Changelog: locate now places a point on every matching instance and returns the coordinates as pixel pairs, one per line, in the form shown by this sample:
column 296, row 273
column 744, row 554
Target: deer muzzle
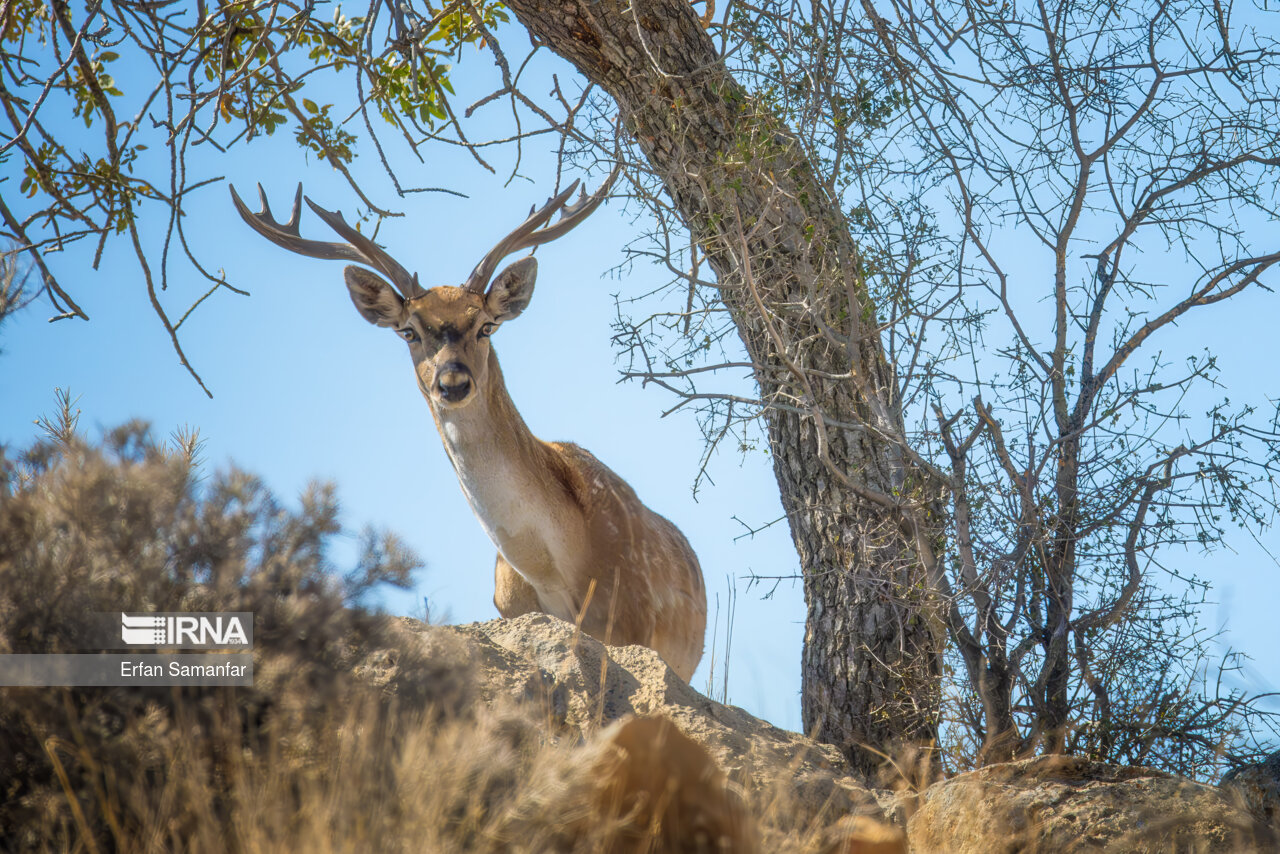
column 453, row 382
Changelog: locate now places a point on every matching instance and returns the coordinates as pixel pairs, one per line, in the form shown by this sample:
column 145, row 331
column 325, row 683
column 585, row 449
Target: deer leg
column 512, row 595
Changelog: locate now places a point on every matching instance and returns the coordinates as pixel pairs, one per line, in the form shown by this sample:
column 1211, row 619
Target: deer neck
column 508, row 479
column 487, row 441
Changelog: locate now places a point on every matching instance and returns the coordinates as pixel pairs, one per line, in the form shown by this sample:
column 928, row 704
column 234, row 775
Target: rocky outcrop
column 1258, row 786
column 799, row 795
column 800, row 791
column 1069, row 804
column 578, row 686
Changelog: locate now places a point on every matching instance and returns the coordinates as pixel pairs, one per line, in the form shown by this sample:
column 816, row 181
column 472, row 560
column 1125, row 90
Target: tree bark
column 863, row 516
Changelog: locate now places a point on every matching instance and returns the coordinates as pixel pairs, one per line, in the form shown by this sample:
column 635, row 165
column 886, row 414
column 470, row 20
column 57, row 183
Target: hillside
column 370, row 733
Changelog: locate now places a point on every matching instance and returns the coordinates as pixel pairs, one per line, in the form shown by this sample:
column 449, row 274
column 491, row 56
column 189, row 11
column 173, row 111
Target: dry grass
column 131, row 524
column 313, row 757
column 319, row 755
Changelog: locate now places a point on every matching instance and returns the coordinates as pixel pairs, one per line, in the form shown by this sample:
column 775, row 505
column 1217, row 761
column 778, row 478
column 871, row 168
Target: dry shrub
column 326, row 752
column 131, row 524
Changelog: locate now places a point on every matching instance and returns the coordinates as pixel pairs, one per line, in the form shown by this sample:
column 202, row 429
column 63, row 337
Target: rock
column 1258, row 786
column 578, row 687
column 647, row 750
column 1070, row 804
column 581, row 686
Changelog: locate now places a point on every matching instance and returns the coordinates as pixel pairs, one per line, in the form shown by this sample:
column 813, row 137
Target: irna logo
column 184, row 630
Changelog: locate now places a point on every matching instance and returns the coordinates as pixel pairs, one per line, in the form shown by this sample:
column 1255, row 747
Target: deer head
column 447, row 328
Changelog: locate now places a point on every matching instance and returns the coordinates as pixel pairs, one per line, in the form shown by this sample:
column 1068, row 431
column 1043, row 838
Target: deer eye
column 408, row 334
column 487, row 329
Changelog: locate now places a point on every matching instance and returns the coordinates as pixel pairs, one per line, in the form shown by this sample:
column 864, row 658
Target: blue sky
column 305, row 389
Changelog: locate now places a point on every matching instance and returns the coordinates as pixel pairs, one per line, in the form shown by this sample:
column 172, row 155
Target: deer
column 573, row 539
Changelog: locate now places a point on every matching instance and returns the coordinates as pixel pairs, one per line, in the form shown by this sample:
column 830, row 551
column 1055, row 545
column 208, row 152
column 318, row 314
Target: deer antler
column 359, row 249
column 534, row 231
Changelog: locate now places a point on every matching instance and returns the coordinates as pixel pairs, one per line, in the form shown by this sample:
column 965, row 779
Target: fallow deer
column 573, row 539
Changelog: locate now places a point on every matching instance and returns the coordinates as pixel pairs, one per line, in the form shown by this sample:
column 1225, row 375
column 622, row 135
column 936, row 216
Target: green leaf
column 310, row 105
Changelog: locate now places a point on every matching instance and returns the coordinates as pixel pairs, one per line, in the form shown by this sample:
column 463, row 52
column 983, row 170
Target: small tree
column 1013, row 177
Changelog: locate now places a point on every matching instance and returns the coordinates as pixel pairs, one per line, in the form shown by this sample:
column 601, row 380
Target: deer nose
column 454, row 382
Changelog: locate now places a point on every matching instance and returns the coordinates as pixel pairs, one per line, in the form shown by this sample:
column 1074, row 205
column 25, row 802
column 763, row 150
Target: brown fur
column 574, row 540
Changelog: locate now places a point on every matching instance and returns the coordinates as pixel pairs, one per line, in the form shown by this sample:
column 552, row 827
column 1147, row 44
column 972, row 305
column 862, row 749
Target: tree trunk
column 863, row 517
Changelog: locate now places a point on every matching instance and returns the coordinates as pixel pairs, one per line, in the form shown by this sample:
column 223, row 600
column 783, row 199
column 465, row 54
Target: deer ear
column 375, row 299
column 512, row 289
